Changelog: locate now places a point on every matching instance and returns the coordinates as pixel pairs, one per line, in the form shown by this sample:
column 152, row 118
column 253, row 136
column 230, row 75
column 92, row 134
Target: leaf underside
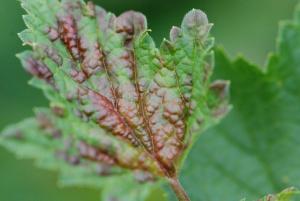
column 122, row 112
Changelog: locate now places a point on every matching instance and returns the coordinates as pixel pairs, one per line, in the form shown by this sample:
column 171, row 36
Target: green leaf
column 255, row 150
column 286, row 195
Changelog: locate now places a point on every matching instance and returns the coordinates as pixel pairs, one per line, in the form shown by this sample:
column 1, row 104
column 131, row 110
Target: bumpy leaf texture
column 255, row 150
column 119, row 106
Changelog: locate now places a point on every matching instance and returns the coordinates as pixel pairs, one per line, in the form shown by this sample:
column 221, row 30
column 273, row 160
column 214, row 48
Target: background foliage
column 240, row 26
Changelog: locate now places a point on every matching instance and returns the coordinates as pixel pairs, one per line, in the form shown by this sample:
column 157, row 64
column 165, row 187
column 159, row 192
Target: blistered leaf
column 118, row 104
column 53, row 149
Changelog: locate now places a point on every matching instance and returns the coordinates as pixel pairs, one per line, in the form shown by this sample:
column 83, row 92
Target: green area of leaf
column 288, row 194
column 255, row 150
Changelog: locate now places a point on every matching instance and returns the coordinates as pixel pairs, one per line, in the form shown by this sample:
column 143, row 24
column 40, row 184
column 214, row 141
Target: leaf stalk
column 178, row 189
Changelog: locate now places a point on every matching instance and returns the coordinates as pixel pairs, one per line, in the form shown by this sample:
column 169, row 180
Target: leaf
column 53, row 149
column 255, row 150
column 285, row 195
column 117, row 102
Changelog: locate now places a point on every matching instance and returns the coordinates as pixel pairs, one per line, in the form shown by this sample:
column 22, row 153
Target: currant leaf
column 255, row 149
column 117, row 102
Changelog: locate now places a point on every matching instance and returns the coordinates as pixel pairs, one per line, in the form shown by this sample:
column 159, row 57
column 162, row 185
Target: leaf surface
column 286, row 195
column 255, row 150
column 118, row 105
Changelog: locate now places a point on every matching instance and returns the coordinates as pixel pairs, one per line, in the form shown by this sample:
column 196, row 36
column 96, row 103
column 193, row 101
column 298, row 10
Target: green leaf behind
column 255, row 150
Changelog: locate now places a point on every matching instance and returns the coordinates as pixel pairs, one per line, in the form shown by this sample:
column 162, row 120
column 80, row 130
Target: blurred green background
column 241, row 26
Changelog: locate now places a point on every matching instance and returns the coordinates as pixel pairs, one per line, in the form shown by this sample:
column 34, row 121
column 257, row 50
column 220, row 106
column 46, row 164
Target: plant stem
column 178, row 189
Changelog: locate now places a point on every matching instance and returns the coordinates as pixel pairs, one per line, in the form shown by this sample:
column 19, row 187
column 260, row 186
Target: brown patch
column 58, row 111
column 38, row 69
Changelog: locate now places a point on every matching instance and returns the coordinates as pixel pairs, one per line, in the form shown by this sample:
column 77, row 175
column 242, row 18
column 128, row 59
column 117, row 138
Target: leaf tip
column 132, row 21
column 196, row 24
column 175, row 33
column 221, row 90
column 221, row 87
